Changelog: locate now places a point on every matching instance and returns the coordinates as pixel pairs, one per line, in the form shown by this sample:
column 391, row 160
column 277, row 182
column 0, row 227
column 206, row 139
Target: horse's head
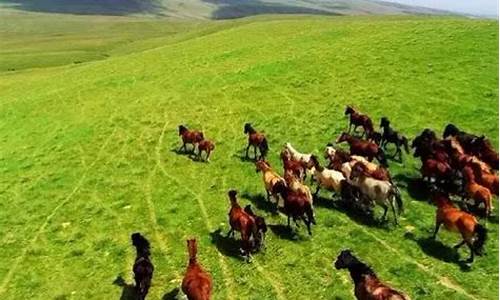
column 192, row 249
column 232, row 194
column 348, row 110
column 140, row 243
column 345, row 260
column 450, row 130
column 247, row 128
column 248, row 210
column 330, row 151
column 384, row 122
column 261, row 165
column 356, row 170
column 285, row 154
column 182, row 129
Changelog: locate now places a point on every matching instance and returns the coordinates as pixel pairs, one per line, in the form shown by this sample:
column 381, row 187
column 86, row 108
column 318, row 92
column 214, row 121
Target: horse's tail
column 397, row 197
column 381, row 157
column 405, row 144
column 310, row 213
column 482, row 234
column 264, row 147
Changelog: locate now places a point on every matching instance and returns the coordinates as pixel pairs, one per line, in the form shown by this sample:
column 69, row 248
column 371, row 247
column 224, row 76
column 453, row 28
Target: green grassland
column 88, row 156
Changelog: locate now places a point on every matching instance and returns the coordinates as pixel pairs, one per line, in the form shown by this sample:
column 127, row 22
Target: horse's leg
column 384, row 216
column 255, row 152
column 471, row 257
column 288, row 221
column 459, row 244
column 268, row 196
column 308, row 224
column 436, row 229
column 394, row 212
column 231, row 231
column 183, row 147
column 317, row 191
column 248, row 148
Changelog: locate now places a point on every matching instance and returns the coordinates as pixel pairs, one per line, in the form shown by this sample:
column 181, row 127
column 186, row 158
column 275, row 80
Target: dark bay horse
column 357, row 119
column 241, row 221
column 297, row 206
column 364, row 148
column 367, row 286
column 257, row 140
column 143, row 268
column 390, row 135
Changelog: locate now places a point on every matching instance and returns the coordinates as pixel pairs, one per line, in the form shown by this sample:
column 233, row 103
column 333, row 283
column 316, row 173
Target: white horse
column 326, row 178
column 382, row 193
column 304, row 158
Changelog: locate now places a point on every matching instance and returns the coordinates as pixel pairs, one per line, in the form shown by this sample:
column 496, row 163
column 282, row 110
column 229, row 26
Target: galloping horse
column 473, row 234
column 367, row 286
column 257, row 140
column 240, row 221
column 390, row 135
column 379, row 192
column 189, row 137
column 270, row 178
column 297, row 206
column 477, row 192
column 261, row 226
column 143, row 268
column 483, row 149
column 197, row 283
column 358, row 119
column 363, row 148
column 207, row 147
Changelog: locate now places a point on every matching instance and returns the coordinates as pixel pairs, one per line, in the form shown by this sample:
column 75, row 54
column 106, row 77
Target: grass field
column 88, row 156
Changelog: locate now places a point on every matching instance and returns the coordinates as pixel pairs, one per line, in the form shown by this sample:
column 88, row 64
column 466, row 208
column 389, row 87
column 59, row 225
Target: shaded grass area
column 87, row 158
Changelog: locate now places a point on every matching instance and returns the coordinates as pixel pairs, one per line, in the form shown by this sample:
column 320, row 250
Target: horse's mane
column 141, row 243
column 249, row 128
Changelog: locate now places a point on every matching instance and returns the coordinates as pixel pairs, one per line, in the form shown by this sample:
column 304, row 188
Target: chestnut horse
column 240, row 221
column 143, row 268
column 477, row 192
column 261, row 226
column 486, row 179
column 296, row 167
column 270, row 178
column 357, row 119
column 257, row 140
column 363, row 148
column 473, row 234
column 207, row 147
column 189, row 137
column 197, row 283
column 367, row 286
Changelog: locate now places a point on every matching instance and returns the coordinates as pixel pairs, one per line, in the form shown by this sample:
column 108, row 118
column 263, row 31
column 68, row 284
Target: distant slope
column 214, row 9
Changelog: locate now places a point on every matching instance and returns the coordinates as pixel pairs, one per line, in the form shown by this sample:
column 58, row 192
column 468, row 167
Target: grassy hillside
column 213, row 9
column 88, row 156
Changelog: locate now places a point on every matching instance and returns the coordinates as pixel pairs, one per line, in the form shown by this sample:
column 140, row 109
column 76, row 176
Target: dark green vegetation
column 88, row 156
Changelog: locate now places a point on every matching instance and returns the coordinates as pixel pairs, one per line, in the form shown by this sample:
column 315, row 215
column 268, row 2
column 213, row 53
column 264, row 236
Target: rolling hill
column 88, row 149
column 215, row 9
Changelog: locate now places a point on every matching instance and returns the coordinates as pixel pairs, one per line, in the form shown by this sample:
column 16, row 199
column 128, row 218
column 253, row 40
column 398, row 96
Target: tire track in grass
column 20, row 258
column 228, row 282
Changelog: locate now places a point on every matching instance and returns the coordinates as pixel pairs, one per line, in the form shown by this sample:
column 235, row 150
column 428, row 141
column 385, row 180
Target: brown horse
column 336, row 157
column 473, row 234
column 367, row 286
column 270, row 178
column 363, row 148
column 206, row 146
column 296, row 167
column 257, row 140
column 485, row 179
column 483, row 149
column 197, row 283
column 477, row 192
column 297, row 206
column 240, row 221
column 432, row 168
column 357, row 119
column 192, row 137
column 261, row 226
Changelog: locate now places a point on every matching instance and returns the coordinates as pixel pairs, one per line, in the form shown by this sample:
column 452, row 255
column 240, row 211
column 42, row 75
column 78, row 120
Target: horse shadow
column 438, row 250
column 416, row 187
column 243, row 158
column 288, row 233
column 360, row 216
column 172, row 295
column 260, row 202
column 128, row 290
column 227, row 246
column 324, row 202
column 189, row 154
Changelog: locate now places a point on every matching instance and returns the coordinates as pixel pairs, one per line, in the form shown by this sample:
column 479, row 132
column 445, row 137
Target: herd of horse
column 459, row 164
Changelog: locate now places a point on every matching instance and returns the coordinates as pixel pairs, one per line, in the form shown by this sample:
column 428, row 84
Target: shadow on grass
column 227, row 246
column 324, row 202
column 284, row 232
column 416, row 187
column 172, row 295
column 260, row 202
column 189, row 154
column 128, row 290
column 438, row 250
column 362, row 217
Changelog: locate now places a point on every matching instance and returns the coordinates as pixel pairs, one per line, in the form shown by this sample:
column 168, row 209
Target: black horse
column 465, row 139
column 390, row 135
column 143, row 268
